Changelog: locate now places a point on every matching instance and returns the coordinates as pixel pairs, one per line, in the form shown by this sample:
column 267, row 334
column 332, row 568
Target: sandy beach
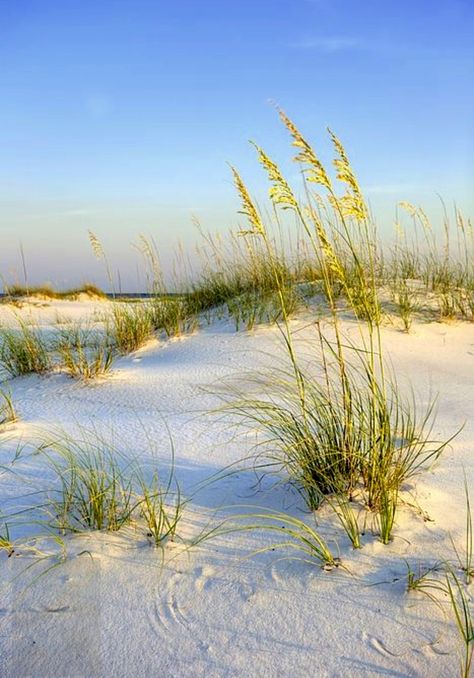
column 117, row 606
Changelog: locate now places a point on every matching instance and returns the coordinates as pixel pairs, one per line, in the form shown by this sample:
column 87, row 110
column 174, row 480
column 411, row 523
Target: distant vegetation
column 49, row 292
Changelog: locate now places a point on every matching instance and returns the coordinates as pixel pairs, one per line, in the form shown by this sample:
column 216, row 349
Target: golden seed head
column 313, row 168
column 280, row 192
column 248, row 207
column 96, row 245
column 352, row 203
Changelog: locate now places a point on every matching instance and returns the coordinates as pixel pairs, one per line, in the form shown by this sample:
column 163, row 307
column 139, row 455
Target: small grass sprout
column 464, row 620
column 7, row 409
column 348, row 518
column 160, row 511
column 421, row 581
column 406, row 301
column 466, row 559
column 6, row 543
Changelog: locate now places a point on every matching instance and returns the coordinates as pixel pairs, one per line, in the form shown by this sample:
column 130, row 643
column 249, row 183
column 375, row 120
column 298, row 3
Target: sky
column 121, row 116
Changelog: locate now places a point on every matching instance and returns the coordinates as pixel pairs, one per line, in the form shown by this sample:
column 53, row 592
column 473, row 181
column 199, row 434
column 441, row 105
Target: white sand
column 209, row 611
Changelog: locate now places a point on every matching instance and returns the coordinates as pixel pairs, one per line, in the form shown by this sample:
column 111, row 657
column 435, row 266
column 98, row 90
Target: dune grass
column 347, row 430
column 160, row 514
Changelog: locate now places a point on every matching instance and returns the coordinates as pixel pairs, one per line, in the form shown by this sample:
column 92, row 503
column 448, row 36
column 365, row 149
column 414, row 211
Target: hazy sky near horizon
column 120, row 116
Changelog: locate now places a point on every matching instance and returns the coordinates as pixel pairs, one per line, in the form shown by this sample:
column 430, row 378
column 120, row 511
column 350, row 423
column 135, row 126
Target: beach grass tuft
column 24, row 350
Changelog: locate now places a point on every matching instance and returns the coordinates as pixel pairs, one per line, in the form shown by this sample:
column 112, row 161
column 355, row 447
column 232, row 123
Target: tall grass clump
column 93, row 491
column 173, row 316
column 347, row 429
column 84, row 354
column 95, row 487
column 406, row 299
column 330, row 443
column 130, row 326
column 24, row 350
column 159, row 514
column 238, row 273
column 254, row 308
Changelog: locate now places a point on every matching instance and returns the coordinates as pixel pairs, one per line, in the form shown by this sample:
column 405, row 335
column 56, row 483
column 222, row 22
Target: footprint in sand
column 167, row 611
column 206, row 580
column 378, row 645
column 204, row 577
column 431, row 650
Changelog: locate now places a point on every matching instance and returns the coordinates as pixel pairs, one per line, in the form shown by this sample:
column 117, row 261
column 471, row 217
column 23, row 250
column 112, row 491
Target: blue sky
column 120, row 116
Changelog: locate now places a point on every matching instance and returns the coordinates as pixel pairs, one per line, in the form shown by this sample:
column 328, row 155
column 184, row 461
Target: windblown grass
column 298, row 536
